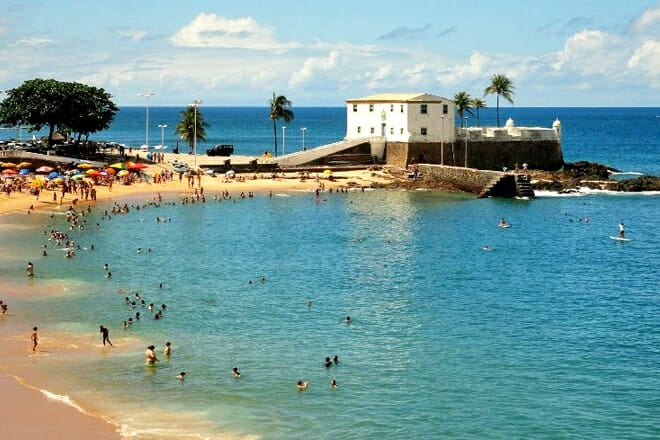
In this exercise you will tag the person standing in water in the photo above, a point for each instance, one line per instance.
(105, 334)
(622, 230)
(35, 338)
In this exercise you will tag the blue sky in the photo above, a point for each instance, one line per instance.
(557, 53)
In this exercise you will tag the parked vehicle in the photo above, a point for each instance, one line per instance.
(220, 150)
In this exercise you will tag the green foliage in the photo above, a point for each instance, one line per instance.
(279, 109)
(463, 104)
(186, 127)
(502, 86)
(476, 104)
(69, 107)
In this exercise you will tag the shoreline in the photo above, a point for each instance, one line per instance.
(36, 411)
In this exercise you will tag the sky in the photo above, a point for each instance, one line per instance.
(585, 53)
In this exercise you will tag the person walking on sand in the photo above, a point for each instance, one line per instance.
(34, 338)
(622, 230)
(106, 335)
(30, 269)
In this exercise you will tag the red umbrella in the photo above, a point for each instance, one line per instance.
(9, 171)
(44, 169)
(137, 166)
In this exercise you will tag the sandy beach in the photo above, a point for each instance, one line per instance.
(31, 413)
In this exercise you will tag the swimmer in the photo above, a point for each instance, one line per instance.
(335, 359)
(327, 362)
(302, 385)
(167, 351)
(235, 373)
(348, 320)
(150, 355)
(502, 223)
(309, 304)
(108, 275)
(181, 375)
(30, 269)
(106, 267)
(486, 248)
(333, 383)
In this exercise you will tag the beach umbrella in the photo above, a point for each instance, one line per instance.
(327, 173)
(24, 172)
(137, 166)
(85, 166)
(44, 169)
(122, 173)
(77, 177)
(8, 165)
(118, 166)
(24, 165)
(91, 171)
(53, 174)
(110, 171)
(9, 172)
(129, 163)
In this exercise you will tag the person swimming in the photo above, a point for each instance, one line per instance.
(302, 385)
(327, 362)
(235, 373)
(333, 383)
(181, 375)
(503, 224)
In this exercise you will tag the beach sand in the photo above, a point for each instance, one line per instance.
(28, 412)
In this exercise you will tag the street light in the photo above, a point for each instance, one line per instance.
(303, 129)
(195, 104)
(162, 134)
(283, 140)
(442, 140)
(466, 140)
(147, 95)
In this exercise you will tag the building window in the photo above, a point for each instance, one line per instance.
(423, 131)
(391, 107)
(359, 130)
(401, 108)
(401, 130)
(391, 130)
(373, 130)
(445, 109)
(424, 109)
(371, 107)
(354, 107)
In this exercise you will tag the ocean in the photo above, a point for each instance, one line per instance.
(553, 333)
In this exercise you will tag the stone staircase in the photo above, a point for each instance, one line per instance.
(524, 186)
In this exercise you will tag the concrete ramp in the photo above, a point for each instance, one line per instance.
(300, 158)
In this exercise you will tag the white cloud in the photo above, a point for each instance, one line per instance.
(648, 19)
(313, 65)
(210, 30)
(589, 52)
(646, 61)
(33, 42)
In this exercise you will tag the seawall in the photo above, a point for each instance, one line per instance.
(465, 179)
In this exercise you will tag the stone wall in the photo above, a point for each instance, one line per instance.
(484, 154)
(465, 179)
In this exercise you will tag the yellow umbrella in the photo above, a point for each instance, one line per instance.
(122, 173)
(85, 166)
(327, 172)
(8, 165)
(24, 165)
(118, 165)
(90, 171)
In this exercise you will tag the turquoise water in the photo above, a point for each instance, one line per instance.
(552, 334)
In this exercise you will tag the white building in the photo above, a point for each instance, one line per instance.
(401, 117)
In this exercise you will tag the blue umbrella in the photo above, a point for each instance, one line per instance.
(24, 172)
(53, 174)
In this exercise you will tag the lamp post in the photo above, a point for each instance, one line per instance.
(303, 130)
(147, 95)
(442, 140)
(466, 140)
(283, 140)
(195, 104)
(162, 134)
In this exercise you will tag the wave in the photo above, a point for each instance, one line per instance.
(584, 191)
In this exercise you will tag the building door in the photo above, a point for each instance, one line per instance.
(382, 129)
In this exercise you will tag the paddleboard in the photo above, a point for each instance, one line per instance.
(506, 226)
(620, 239)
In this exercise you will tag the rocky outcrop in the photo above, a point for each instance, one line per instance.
(591, 175)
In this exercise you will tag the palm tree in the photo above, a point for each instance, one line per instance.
(476, 104)
(502, 86)
(186, 128)
(463, 104)
(279, 109)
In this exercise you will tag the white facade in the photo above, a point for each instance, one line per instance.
(401, 117)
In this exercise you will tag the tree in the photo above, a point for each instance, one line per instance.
(66, 106)
(279, 109)
(186, 128)
(502, 86)
(463, 104)
(476, 104)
